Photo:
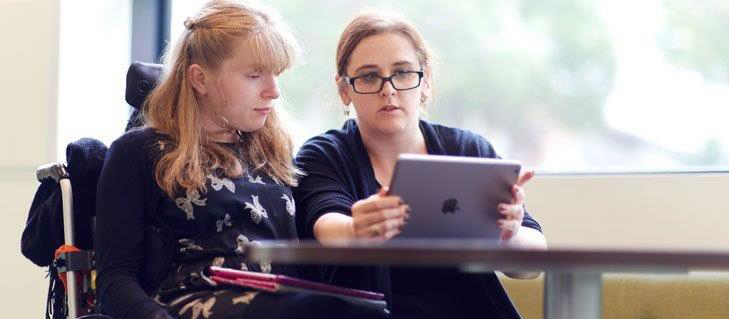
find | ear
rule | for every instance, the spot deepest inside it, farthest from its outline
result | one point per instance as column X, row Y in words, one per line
column 425, row 91
column 198, row 79
column 342, row 89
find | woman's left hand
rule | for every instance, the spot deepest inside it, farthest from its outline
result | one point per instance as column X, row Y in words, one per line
column 513, row 213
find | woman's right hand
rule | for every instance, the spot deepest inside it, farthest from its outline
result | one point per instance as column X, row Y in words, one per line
column 379, row 217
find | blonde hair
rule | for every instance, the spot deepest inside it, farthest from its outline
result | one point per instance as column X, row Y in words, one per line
column 209, row 38
column 379, row 22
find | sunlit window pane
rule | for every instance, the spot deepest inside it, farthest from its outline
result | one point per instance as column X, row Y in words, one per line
column 561, row 85
column 95, row 50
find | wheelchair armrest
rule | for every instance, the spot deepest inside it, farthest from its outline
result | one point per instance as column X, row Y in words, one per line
column 52, row 171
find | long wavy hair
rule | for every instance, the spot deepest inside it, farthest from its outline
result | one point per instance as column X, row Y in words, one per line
column 172, row 109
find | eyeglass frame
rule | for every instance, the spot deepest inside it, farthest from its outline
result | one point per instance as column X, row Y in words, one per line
column 384, row 79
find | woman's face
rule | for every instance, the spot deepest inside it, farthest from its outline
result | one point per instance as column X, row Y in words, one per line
column 388, row 111
column 245, row 93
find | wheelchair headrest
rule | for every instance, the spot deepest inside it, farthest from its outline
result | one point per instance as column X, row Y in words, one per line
column 141, row 79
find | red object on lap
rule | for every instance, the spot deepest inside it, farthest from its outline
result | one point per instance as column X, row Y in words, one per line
column 281, row 283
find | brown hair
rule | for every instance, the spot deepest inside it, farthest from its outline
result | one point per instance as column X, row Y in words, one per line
column 379, row 22
column 171, row 109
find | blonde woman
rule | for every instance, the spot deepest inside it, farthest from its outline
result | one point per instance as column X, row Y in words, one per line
column 211, row 169
column 385, row 71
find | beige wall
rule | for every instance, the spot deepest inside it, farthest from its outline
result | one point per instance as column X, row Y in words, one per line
column 29, row 63
column 632, row 211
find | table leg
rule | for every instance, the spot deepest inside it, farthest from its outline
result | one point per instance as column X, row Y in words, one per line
column 572, row 295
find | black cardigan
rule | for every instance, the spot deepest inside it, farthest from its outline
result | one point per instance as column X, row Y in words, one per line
column 127, row 197
column 339, row 172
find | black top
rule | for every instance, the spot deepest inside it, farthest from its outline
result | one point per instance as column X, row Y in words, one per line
column 212, row 227
column 339, row 172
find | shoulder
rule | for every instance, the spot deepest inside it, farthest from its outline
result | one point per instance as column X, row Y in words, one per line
column 331, row 142
column 453, row 134
column 134, row 138
column 460, row 142
column 141, row 146
column 139, row 141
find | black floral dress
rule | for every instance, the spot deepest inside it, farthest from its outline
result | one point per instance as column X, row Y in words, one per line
column 214, row 226
column 218, row 227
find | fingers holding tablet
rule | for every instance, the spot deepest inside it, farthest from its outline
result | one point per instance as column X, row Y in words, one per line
column 378, row 216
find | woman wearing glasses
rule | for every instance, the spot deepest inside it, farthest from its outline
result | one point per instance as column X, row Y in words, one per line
column 385, row 71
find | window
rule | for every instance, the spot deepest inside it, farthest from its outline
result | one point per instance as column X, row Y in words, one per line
column 593, row 85
column 95, row 37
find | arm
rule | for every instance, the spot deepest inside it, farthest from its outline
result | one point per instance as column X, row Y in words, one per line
column 321, row 191
column 328, row 203
column 377, row 218
column 331, row 228
column 526, row 238
column 120, row 223
column 518, row 229
column 514, row 234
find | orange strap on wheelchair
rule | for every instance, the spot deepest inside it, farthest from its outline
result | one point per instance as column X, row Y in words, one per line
column 61, row 250
column 65, row 249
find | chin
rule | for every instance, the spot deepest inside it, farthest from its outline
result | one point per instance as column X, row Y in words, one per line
column 392, row 126
column 252, row 127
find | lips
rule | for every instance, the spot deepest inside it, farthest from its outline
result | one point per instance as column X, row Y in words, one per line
column 389, row 108
column 263, row 110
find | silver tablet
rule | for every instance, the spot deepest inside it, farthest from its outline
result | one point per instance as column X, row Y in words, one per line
column 453, row 197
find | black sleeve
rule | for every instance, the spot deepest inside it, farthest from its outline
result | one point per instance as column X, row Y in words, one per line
column 324, row 187
column 483, row 148
column 42, row 236
column 120, row 223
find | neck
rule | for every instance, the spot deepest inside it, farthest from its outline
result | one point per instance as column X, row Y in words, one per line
column 384, row 148
column 215, row 127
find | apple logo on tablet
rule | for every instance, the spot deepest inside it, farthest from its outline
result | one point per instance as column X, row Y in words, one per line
column 450, row 206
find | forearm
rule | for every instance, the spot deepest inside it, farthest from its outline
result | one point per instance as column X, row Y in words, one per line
column 122, row 297
column 331, row 228
column 526, row 238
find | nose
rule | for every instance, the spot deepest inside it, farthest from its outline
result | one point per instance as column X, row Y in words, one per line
column 387, row 89
column 272, row 91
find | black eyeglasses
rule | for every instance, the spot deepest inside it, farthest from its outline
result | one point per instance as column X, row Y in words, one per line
column 370, row 84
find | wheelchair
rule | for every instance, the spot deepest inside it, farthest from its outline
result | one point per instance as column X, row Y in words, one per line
column 69, row 266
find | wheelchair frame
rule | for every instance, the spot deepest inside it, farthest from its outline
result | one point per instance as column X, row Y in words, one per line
column 69, row 260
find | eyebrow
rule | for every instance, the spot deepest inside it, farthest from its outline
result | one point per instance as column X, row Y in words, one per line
column 374, row 66
column 400, row 63
column 366, row 66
